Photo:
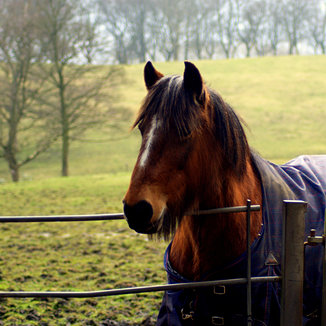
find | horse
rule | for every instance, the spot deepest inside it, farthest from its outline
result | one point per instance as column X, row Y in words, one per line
column 195, row 156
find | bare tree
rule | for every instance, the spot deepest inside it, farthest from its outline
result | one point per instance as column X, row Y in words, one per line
column 126, row 21
column 74, row 101
column 262, row 35
column 115, row 17
column 295, row 15
column 226, row 18
column 193, row 31
column 190, row 12
column 22, row 138
column 171, row 20
column 92, row 45
column 317, row 25
column 251, row 16
column 274, row 24
column 153, row 29
column 139, row 16
column 211, row 43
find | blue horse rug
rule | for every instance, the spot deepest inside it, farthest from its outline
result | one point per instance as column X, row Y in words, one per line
column 303, row 178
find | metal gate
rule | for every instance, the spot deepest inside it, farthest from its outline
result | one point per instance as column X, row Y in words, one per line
column 291, row 278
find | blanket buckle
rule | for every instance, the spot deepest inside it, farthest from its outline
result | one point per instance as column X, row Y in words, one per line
column 219, row 289
column 186, row 316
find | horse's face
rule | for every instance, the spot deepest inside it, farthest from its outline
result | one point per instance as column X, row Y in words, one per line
column 159, row 179
column 160, row 183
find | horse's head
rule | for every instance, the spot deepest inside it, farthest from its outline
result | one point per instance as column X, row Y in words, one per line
column 181, row 132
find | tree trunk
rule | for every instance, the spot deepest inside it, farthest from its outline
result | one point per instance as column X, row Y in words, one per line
column 291, row 46
column 65, row 138
column 65, row 128
column 121, row 52
column 323, row 48
column 65, row 151
column 10, row 157
column 247, row 50
column 175, row 52
column 274, row 49
column 14, row 171
column 143, row 50
column 186, row 48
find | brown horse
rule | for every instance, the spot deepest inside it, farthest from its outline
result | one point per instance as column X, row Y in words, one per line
column 194, row 155
column 191, row 158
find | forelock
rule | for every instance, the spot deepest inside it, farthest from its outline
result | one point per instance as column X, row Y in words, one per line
column 175, row 108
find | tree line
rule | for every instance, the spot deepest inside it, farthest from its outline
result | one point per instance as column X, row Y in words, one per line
column 176, row 30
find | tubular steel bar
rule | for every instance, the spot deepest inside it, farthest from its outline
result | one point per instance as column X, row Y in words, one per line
column 106, row 217
column 235, row 209
column 293, row 262
column 133, row 290
column 61, row 218
column 249, row 310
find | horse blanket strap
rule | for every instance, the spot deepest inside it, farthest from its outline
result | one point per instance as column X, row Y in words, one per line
column 303, row 178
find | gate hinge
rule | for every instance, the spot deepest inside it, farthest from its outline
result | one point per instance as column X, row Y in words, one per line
column 315, row 240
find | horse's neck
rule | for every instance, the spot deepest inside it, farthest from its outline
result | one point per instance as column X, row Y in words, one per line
column 202, row 244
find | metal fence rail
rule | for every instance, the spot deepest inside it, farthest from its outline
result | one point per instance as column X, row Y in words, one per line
column 61, row 218
column 295, row 208
column 134, row 290
column 108, row 217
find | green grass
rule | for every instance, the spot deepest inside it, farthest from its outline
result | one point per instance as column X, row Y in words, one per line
column 74, row 256
column 283, row 102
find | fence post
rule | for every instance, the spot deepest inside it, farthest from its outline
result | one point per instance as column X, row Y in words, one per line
column 293, row 262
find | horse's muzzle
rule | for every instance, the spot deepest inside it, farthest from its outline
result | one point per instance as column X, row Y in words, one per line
column 139, row 217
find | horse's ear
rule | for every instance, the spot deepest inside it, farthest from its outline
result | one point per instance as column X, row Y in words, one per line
column 193, row 81
column 151, row 75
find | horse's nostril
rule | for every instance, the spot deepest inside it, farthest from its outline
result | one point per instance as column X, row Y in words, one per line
column 139, row 214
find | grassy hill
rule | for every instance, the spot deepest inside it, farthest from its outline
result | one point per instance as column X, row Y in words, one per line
column 282, row 100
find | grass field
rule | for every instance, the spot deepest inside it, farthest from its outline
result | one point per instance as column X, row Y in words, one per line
column 282, row 100
column 74, row 256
